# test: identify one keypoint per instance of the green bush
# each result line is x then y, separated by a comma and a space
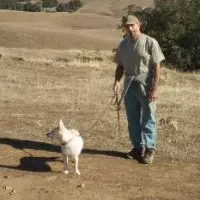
176, 26
74, 5
49, 3
30, 7
71, 6
8, 4
20, 5
61, 7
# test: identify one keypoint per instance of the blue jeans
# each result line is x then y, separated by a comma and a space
141, 117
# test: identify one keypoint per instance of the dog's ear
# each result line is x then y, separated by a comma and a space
61, 124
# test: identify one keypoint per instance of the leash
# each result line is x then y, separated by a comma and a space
118, 108
113, 99
116, 101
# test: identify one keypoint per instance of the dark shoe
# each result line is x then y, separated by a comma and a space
133, 154
142, 155
149, 156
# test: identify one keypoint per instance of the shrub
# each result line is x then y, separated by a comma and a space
49, 3
30, 7
62, 7
71, 6
8, 4
74, 5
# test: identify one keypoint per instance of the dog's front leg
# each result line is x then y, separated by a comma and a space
65, 160
76, 165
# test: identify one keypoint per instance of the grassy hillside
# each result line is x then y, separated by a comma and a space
111, 7
57, 30
94, 26
77, 86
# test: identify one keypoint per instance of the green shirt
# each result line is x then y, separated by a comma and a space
138, 56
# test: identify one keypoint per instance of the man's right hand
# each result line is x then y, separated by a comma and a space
117, 87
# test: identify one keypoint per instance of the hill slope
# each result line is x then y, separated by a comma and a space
111, 7
94, 26
57, 30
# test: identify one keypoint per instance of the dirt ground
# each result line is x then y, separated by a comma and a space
31, 166
36, 92
33, 170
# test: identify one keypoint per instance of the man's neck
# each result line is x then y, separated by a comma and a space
137, 36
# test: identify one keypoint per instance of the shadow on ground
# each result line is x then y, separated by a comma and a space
39, 164
33, 164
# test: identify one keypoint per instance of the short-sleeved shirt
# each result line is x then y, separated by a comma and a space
138, 56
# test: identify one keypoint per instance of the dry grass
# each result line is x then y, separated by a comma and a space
58, 30
40, 87
93, 27
179, 106
58, 65
110, 7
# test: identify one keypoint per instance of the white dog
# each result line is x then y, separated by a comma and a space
71, 144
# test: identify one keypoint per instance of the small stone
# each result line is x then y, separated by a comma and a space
5, 177
8, 187
174, 125
12, 192
82, 185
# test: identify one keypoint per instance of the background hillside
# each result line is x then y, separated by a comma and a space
57, 30
112, 7
94, 26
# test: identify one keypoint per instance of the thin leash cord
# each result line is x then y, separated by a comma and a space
115, 97
117, 101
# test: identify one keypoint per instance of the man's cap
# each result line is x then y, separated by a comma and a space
131, 19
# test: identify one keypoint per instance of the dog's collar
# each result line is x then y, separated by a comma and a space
64, 143
67, 142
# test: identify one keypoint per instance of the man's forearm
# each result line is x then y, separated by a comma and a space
119, 73
156, 76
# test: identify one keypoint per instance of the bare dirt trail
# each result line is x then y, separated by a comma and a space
27, 174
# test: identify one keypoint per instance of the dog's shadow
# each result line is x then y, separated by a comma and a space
39, 164
33, 164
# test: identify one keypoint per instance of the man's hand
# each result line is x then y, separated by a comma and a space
117, 87
118, 75
153, 95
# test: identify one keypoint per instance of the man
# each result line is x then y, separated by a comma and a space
139, 57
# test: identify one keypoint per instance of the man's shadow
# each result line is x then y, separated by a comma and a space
39, 164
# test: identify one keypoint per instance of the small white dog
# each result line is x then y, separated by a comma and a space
71, 144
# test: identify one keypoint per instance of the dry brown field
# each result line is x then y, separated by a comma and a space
59, 66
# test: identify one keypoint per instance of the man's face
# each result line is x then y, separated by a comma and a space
133, 29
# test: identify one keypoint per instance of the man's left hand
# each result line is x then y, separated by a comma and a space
153, 95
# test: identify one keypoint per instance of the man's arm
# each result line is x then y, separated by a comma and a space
118, 75
153, 95
157, 59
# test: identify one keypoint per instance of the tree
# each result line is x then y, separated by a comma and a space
30, 7
176, 25
74, 5
49, 3
71, 6
61, 7
8, 4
